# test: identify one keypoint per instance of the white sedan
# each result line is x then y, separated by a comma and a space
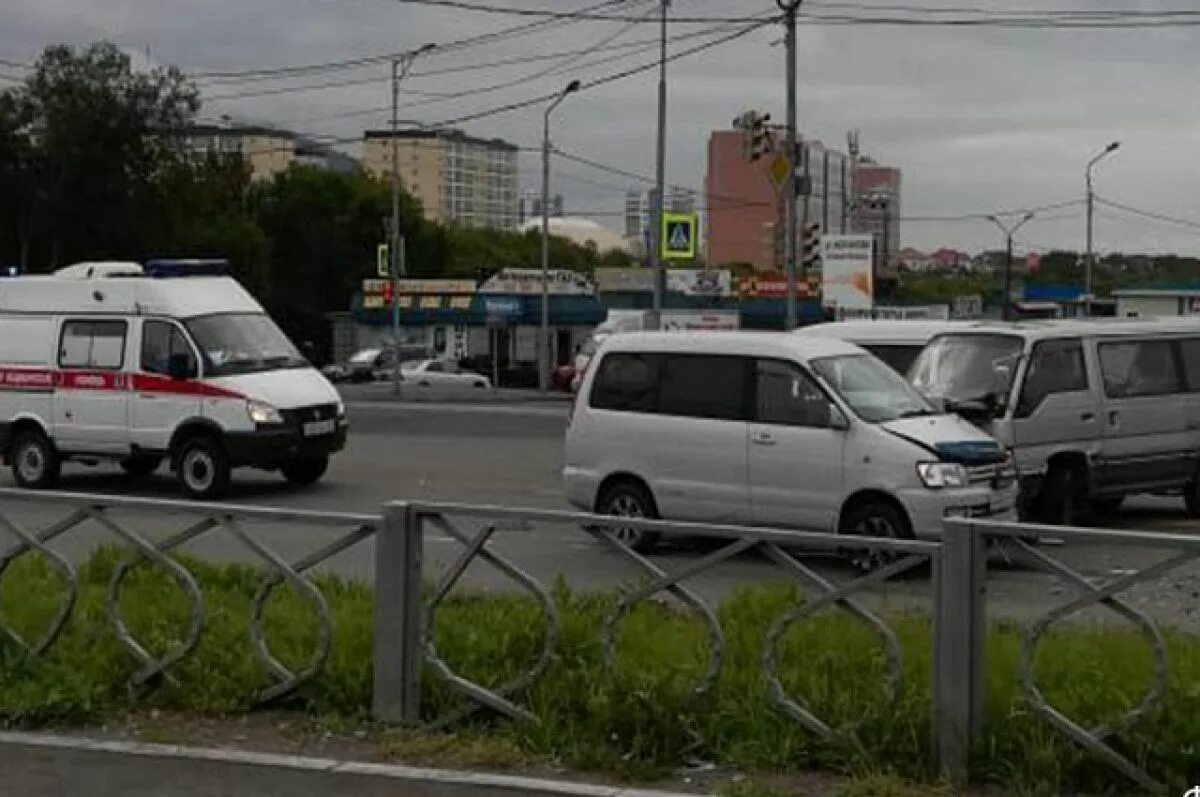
430, 373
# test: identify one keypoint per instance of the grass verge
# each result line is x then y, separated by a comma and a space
634, 720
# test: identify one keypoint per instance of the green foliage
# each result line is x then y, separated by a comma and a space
636, 719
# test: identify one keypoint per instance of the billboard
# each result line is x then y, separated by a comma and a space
528, 282
696, 282
847, 271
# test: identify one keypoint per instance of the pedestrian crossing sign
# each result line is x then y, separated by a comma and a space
678, 236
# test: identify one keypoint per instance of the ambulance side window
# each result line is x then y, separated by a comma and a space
160, 341
92, 344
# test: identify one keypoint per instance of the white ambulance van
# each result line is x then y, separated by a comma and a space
116, 362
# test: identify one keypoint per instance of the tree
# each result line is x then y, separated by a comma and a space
87, 136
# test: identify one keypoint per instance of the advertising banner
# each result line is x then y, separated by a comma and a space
528, 282
697, 282
773, 285
625, 280
847, 269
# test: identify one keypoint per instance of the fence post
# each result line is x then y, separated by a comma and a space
398, 610
959, 630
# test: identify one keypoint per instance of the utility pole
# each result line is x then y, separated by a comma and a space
1091, 210
400, 66
660, 179
543, 358
791, 9
1009, 232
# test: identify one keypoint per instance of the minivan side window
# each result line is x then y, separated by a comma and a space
1055, 366
787, 396
704, 386
160, 341
1139, 368
627, 382
1191, 363
92, 344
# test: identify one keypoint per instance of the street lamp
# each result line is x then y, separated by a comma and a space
543, 358
1009, 232
1091, 210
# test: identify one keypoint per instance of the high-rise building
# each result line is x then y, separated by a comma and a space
745, 212
458, 178
639, 207
266, 151
877, 211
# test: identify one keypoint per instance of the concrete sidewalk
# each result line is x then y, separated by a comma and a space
36, 765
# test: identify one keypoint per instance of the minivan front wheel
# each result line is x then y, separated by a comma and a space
1062, 497
1191, 497
631, 500
203, 467
874, 518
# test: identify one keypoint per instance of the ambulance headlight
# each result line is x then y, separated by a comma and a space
260, 412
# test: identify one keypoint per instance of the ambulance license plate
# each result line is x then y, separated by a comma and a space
317, 428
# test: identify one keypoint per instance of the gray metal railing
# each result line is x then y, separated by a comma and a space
405, 606
200, 520
973, 539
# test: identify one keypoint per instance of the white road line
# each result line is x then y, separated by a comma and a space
443, 777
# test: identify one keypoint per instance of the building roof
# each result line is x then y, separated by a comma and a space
1158, 293
237, 130
446, 134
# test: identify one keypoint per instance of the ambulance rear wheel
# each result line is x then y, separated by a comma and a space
35, 463
202, 467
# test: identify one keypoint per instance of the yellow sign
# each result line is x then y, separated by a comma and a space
678, 236
778, 170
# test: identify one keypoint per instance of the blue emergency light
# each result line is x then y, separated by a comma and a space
167, 268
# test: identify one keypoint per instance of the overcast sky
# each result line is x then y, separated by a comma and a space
978, 119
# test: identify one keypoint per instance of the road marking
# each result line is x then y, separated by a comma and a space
328, 766
468, 409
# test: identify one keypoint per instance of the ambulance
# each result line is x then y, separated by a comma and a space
171, 362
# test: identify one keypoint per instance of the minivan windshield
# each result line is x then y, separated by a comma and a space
873, 390
962, 368
242, 343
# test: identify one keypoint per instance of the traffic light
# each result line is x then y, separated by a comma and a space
810, 256
383, 261
755, 136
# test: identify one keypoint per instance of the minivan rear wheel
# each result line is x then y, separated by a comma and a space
632, 500
1191, 496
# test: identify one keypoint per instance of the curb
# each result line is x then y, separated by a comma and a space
398, 773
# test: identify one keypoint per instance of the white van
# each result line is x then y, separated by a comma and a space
100, 362
896, 342
1095, 410
772, 429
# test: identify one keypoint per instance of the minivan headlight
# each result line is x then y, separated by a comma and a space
936, 475
261, 412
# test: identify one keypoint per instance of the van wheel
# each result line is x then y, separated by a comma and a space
203, 467
630, 499
874, 518
305, 471
1062, 500
140, 466
1191, 497
35, 463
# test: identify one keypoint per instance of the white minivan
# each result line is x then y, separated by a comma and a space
105, 362
897, 342
772, 429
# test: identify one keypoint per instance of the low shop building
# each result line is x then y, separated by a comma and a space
1150, 302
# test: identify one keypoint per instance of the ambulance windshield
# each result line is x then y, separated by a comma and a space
243, 343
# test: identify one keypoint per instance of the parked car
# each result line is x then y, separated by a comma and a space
772, 429
1094, 410
428, 373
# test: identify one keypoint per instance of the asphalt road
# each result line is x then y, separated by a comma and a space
508, 453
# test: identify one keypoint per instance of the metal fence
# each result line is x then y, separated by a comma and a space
405, 604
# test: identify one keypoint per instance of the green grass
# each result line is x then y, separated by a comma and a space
636, 720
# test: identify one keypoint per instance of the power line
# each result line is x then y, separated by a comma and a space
1150, 214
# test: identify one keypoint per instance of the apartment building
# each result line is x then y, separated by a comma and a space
459, 179
266, 150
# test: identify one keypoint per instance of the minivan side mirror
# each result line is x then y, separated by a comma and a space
179, 366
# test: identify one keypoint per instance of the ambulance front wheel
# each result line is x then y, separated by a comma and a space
305, 471
202, 467
35, 463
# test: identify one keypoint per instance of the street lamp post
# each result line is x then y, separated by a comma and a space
660, 178
1091, 209
1009, 232
543, 358
790, 9
400, 66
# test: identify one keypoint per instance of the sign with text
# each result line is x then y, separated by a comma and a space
847, 271
773, 285
528, 282
700, 282
625, 280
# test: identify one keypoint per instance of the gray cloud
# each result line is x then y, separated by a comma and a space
978, 119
